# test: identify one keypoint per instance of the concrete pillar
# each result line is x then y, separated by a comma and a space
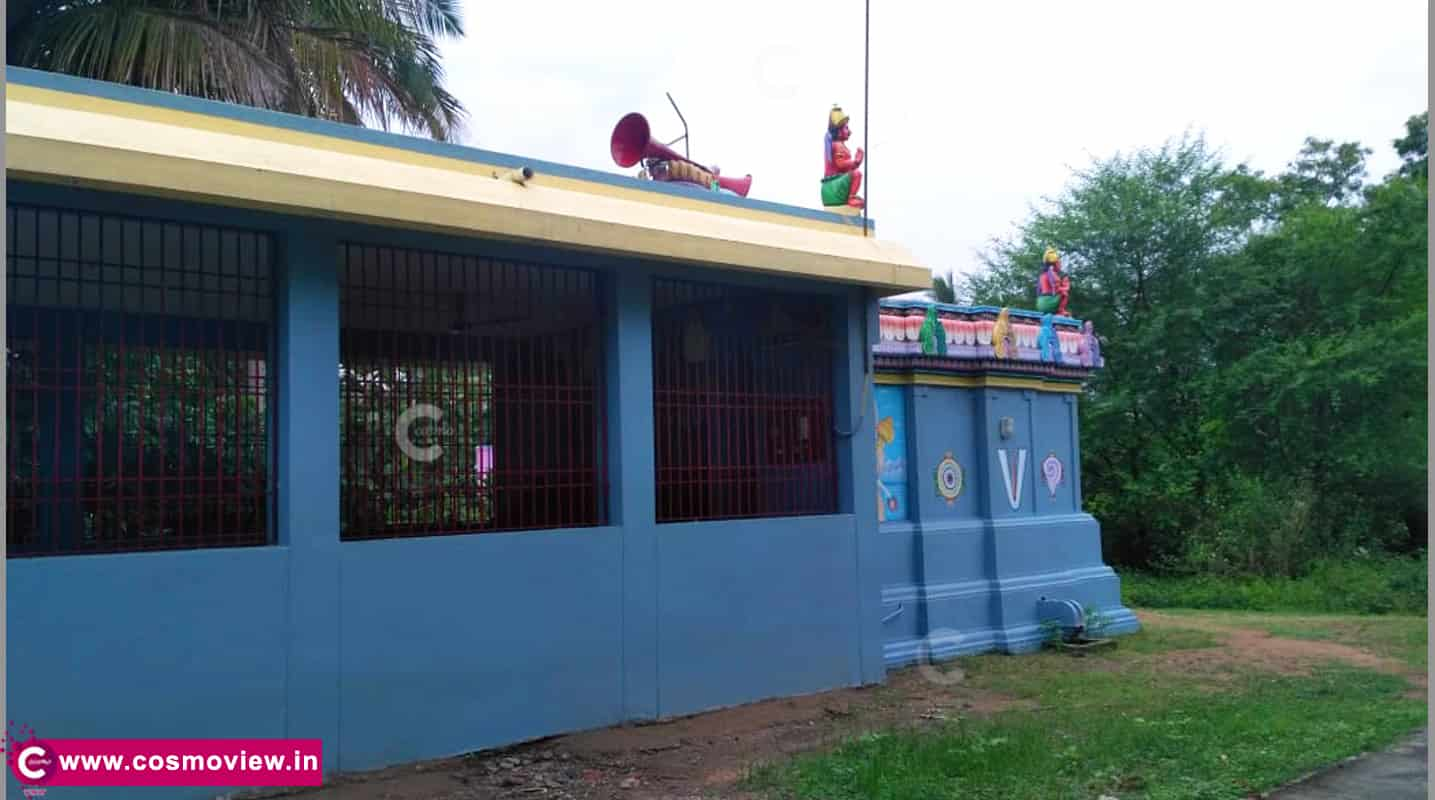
629, 371
307, 485
853, 412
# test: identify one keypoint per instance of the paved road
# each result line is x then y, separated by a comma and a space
1396, 774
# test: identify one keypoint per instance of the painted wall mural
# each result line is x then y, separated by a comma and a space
891, 409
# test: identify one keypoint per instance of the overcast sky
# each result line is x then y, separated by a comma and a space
977, 109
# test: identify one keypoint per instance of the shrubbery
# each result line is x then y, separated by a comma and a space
1361, 585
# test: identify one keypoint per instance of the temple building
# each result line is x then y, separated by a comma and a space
316, 431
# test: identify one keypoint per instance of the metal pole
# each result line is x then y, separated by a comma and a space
866, 87
687, 150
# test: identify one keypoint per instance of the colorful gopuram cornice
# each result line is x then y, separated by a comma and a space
939, 338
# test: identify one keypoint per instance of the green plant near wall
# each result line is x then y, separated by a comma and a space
1096, 623
1050, 632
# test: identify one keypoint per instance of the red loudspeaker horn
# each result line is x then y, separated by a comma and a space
738, 186
632, 142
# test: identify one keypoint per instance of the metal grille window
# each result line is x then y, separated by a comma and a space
137, 404
742, 403
471, 395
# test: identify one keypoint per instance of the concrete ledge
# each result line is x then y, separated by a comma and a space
944, 645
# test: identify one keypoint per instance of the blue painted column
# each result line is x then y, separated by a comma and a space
994, 407
950, 534
629, 334
857, 468
1073, 468
308, 481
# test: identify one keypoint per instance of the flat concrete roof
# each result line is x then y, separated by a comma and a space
109, 136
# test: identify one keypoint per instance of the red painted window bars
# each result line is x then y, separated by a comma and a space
138, 400
742, 395
471, 395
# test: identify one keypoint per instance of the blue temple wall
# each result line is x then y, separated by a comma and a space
401, 649
965, 574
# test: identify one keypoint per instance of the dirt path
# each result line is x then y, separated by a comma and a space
708, 755
1258, 648
691, 757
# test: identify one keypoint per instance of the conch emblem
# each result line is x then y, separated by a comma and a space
1052, 472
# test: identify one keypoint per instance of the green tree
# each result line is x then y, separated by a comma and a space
1263, 404
1324, 172
944, 288
1138, 233
1414, 146
355, 61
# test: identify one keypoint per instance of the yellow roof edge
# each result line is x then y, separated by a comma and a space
887, 268
54, 143
559, 175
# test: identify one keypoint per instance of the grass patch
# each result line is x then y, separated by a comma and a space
1116, 724
1166, 639
1404, 638
1363, 586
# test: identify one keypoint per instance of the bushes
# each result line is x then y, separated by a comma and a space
1363, 585
1283, 527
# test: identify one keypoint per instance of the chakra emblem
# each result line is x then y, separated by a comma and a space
950, 479
1052, 471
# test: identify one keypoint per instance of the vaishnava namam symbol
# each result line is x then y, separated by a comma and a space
1013, 475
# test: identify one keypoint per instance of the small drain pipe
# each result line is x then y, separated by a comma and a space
519, 175
1069, 615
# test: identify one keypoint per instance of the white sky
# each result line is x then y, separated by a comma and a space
978, 109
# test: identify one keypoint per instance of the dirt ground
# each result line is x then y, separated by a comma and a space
1257, 648
708, 755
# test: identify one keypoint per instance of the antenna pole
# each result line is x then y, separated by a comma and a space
687, 152
866, 115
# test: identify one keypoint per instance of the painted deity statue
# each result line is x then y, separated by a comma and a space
1090, 346
840, 177
933, 336
1048, 344
1052, 288
1003, 342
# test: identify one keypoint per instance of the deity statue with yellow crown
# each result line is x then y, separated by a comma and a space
1053, 289
840, 177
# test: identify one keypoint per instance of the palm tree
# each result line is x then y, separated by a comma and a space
355, 61
944, 288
